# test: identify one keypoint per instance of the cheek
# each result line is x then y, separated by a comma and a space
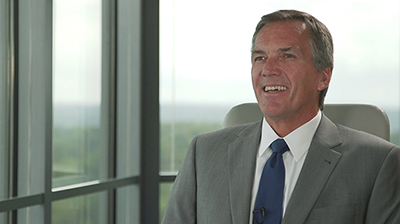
256, 70
254, 76
308, 78
309, 87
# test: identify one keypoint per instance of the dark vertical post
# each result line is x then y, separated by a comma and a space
13, 4
109, 48
150, 154
48, 85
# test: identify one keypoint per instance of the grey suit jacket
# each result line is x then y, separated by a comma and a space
348, 177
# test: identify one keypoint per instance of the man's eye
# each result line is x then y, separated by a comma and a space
289, 56
259, 58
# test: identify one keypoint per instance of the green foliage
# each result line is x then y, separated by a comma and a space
80, 210
175, 139
395, 137
76, 151
165, 189
76, 159
174, 142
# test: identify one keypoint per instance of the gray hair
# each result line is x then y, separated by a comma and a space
321, 44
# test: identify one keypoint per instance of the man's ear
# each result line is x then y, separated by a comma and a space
326, 75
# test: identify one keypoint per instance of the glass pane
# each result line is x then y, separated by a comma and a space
128, 108
4, 218
34, 94
31, 215
165, 189
86, 209
128, 206
190, 102
177, 134
128, 91
79, 144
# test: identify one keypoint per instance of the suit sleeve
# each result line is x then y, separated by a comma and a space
384, 204
181, 205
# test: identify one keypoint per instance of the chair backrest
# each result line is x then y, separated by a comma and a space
362, 117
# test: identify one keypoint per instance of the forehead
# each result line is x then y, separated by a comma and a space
292, 33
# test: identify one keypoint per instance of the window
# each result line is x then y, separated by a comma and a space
74, 114
80, 123
205, 63
79, 144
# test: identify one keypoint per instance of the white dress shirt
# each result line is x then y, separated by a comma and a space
298, 142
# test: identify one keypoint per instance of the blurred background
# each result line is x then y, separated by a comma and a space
76, 77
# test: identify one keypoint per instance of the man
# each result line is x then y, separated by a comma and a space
331, 174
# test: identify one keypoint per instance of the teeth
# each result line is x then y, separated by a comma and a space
275, 88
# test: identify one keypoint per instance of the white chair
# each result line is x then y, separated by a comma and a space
362, 117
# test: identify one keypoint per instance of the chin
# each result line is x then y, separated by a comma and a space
271, 110
268, 112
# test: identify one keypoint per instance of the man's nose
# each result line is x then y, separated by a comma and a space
271, 67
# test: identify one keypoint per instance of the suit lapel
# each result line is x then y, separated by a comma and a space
241, 162
320, 162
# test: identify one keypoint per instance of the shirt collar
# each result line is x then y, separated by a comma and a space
298, 140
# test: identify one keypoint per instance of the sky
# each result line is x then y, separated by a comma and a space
77, 51
205, 49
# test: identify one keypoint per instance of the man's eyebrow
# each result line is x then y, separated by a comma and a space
281, 50
286, 49
257, 52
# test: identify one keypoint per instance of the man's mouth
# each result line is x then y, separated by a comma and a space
275, 88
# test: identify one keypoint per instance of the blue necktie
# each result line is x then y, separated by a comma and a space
269, 201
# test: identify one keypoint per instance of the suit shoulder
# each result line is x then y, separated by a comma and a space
230, 133
362, 138
370, 145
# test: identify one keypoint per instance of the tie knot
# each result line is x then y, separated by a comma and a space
279, 146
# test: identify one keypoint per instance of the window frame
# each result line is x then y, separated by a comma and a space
38, 20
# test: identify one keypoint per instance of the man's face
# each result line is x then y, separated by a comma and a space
285, 81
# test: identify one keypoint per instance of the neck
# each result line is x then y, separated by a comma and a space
284, 126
